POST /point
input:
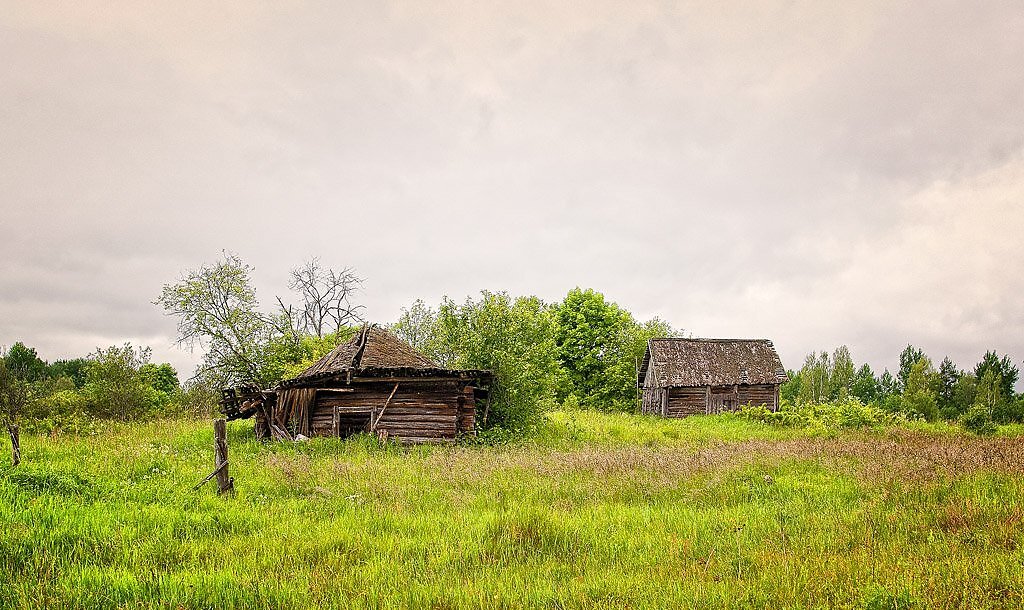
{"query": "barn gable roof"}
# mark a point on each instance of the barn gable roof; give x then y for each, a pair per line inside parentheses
(712, 362)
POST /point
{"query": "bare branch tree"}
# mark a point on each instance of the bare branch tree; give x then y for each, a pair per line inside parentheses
(326, 297)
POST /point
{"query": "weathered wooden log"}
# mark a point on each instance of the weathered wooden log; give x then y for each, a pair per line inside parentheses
(373, 426)
(225, 484)
(12, 429)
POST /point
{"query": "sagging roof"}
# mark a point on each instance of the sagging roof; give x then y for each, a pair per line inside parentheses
(374, 352)
(712, 362)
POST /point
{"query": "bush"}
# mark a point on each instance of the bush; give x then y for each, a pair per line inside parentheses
(63, 410)
(978, 420)
(843, 413)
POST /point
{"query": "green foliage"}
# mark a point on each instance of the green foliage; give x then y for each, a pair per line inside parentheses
(834, 415)
(978, 419)
(161, 377)
(908, 358)
(918, 396)
(512, 338)
(1003, 368)
(864, 386)
(23, 362)
(823, 378)
(888, 386)
(288, 357)
(416, 326)
(216, 307)
(14, 393)
(965, 392)
(842, 373)
(73, 369)
(790, 390)
(946, 396)
(816, 384)
(591, 338)
(116, 388)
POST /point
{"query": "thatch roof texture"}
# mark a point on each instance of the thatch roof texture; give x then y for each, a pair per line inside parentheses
(372, 347)
(712, 362)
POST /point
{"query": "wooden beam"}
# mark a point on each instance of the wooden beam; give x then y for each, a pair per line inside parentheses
(386, 403)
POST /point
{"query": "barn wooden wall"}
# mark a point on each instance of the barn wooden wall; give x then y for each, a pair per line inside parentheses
(683, 401)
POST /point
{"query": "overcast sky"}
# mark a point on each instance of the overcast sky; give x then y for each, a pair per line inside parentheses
(815, 173)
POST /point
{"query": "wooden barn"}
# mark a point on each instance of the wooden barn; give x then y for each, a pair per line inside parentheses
(680, 377)
(374, 383)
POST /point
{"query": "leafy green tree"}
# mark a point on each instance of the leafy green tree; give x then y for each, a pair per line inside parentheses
(965, 392)
(512, 338)
(945, 389)
(908, 358)
(918, 395)
(14, 392)
(864, 386)
(23, 362)
(1002, 367)
(115, 387)
(887, 385)
(790, 391)
(217, 308)
(841, 374)
(816, 372)
(73, 369)
(599, 346)
(416, 325)
(161, 377)
(588, 332)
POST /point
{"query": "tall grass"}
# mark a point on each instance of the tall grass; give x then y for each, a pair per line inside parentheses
(595, 511)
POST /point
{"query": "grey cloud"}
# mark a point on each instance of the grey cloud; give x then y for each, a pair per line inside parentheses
(736, 168)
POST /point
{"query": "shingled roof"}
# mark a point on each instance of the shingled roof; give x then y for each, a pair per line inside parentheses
(371, 347)
(712, 362)
(375, 352)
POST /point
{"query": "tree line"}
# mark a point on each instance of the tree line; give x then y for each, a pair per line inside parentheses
(979, 397)
(114, 383)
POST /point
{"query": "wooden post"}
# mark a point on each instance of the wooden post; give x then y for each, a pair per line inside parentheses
(220, 442)
(12, 429)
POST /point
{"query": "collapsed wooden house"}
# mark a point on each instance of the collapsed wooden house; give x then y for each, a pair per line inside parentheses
(374, 383)
(680, 377)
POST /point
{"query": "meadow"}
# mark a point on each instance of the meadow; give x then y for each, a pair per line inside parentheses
(590, 511)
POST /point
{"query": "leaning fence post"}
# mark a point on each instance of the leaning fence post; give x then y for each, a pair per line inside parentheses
(12, 429)
(220, 441)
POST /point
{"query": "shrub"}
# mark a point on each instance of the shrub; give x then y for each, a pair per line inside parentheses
(978, 420)
(844, 413)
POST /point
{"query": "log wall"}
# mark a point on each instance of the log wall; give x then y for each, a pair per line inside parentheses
(766, 395)
(687, 401)
(416, 412)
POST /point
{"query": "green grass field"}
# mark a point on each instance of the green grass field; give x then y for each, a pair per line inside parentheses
(609, 511)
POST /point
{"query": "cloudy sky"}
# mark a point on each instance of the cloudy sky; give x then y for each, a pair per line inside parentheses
(816, 173)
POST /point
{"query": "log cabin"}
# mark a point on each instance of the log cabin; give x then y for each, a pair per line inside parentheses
(374, 383)
(681, 377)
